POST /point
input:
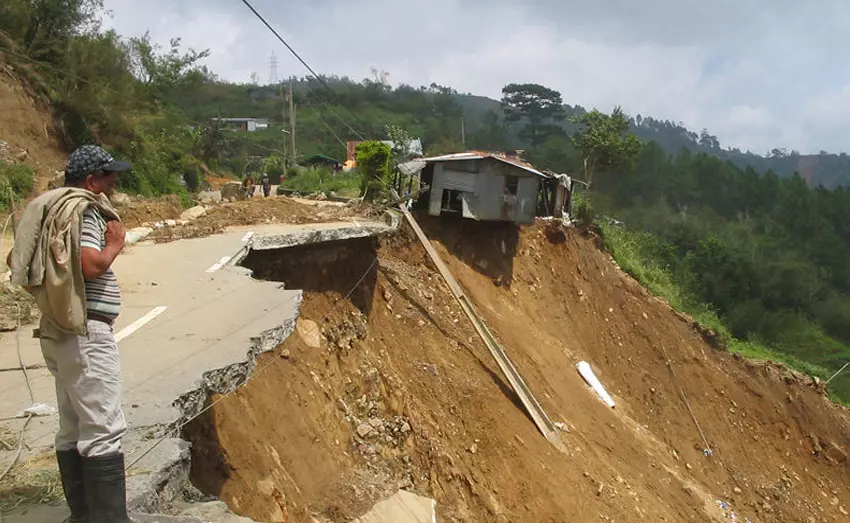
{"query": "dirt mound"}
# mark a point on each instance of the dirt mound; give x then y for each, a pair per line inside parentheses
(249, 212)
(400, 393)
(139, 211)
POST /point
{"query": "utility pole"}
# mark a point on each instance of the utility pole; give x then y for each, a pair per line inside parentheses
(283, 120)
(462, 131)
(292, 120)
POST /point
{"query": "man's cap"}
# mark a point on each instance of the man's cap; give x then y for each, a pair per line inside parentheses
(91, 159)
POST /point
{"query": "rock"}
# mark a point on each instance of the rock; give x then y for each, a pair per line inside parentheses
(209, 196)
(212, 511)
(364, 429)
(473, 449)
(405, 428)
(135, 235)
(232, 191)
(377, 424)
(21, 156)
(285, 354)
(7, 323)
(736, 490)
(308, 331)
(193, 213)
(842, 510)
(119, 199)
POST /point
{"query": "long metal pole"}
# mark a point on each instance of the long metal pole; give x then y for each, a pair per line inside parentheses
(839, 372)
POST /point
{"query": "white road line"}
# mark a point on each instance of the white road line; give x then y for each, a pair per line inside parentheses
(219, 264)
(248, 236)
(136, 325)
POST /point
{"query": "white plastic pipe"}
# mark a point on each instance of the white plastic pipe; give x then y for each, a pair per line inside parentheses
(586, 372)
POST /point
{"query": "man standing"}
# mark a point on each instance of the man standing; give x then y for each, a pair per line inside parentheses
(65, 245)
(267, 184)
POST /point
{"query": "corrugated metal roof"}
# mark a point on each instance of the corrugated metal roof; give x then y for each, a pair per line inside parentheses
(480, 155)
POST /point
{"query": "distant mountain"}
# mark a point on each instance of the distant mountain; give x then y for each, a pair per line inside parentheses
(826, 169)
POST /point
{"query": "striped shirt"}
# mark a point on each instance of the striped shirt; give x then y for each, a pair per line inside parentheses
(102, 294)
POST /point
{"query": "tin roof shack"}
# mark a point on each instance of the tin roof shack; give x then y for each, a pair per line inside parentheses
(482, 186)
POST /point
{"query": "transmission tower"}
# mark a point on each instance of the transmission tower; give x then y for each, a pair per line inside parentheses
(273, 69)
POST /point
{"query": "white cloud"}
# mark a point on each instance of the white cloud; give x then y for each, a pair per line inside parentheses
(758, 74)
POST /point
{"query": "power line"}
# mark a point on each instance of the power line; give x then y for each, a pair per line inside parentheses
(341, 142)
(303, 62)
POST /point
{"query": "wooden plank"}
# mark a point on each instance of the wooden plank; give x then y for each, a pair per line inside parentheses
(532, 406)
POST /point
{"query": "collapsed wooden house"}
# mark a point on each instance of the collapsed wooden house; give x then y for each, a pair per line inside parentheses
(481, 186)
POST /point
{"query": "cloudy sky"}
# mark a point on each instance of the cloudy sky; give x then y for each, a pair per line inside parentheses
(757, 73)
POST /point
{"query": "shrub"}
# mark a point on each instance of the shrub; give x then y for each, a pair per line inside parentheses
(20, 178)
(373, 160)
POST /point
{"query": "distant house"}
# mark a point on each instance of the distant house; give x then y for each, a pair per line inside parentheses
(482, 186)
(413, 150)
(320, 159)
(244, 124)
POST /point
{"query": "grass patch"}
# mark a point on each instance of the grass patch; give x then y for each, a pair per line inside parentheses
(29, 484)
(322, 180)
(636, 253)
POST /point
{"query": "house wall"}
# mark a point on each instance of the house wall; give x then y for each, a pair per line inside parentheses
(527, 199)
(487, 202)
(436, 193)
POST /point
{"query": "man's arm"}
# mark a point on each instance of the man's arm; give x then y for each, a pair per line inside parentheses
(95, 261)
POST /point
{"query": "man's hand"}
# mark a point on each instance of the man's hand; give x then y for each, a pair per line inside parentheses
(115, 235)
(96, 262)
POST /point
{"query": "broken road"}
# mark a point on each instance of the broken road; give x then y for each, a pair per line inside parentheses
(192, 322)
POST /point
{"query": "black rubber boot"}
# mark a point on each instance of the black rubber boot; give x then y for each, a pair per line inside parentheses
(106, 489)
(71, 472)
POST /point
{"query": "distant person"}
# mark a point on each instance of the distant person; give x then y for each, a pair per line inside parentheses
(64, 248)
(266, 182)
(248, 186)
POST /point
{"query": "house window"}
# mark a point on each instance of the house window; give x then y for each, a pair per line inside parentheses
(511, 185)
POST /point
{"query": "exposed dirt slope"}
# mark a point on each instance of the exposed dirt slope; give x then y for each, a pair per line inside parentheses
(401, 393)
(27, 125)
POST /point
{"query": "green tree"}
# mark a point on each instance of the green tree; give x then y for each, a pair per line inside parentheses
(163, 73)
(44, 28)
(492, 135)
(539, 106)
(373, 161)
(605, 142)
(211, 142)
(400, 139)
(97, 101)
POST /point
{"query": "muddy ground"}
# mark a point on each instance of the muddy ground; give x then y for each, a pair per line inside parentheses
(390, 388)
